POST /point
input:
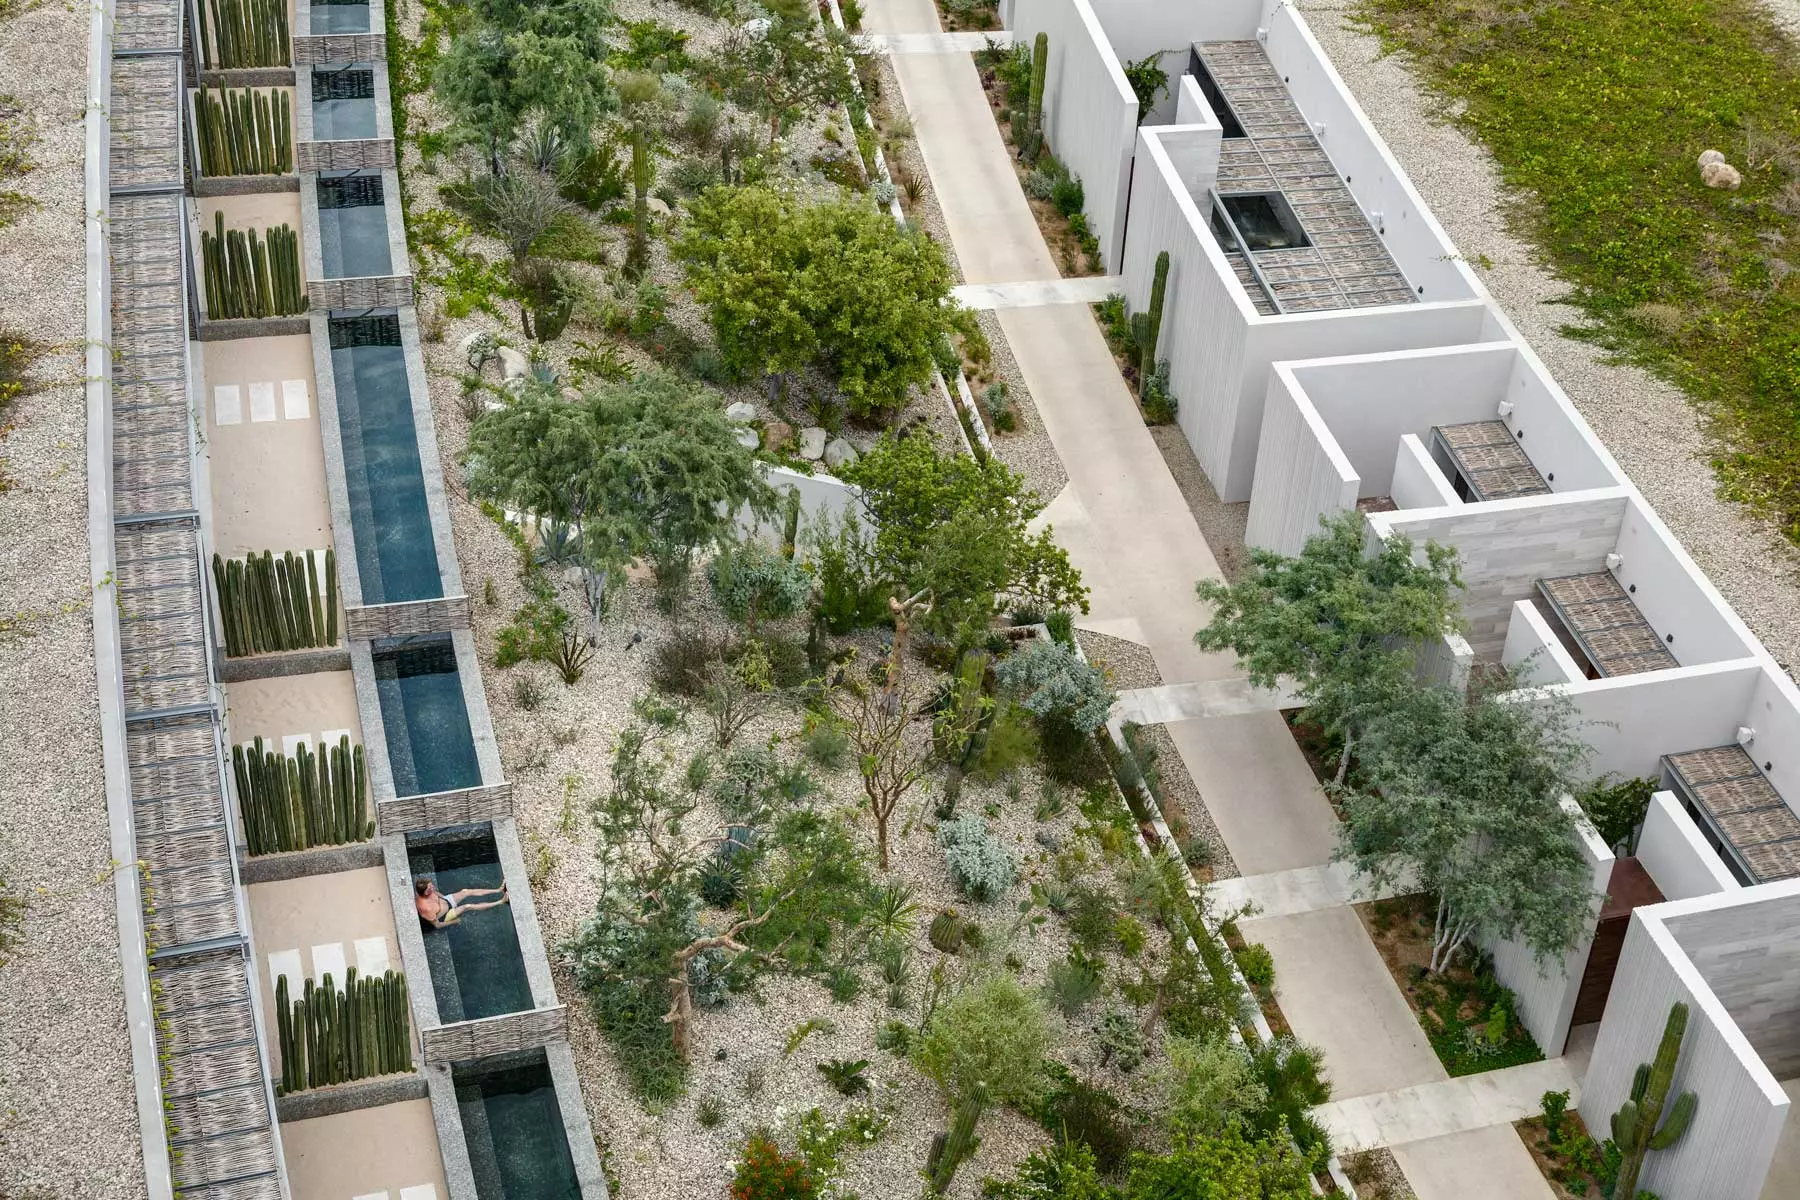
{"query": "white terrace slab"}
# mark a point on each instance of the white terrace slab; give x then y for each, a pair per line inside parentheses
(933, 43)
(1195, 701)
(1085, 289)
(1429, 1110)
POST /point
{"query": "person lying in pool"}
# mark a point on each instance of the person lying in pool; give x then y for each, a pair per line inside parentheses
(442, 911)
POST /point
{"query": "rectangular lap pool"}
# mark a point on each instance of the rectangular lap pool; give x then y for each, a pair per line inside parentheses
(353, 228)
(344, 97)
(518, 1145)
(396, 555)
(476, 968)
(337, 16)
(424, 717)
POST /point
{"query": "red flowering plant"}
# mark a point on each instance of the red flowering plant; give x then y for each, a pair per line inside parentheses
(765, 1173)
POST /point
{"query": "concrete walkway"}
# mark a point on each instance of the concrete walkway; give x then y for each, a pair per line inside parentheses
(1302, 890)
(1432, 1110)
(1173, 702)
(932, 43)
(1127, 527)
(1081, 289)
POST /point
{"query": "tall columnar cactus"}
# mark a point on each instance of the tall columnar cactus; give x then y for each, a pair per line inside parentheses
(303, 800)
(247, 276)
(1635, 1128)
(333, 1035)
(1034, 114)
(331, 598)
(1150, 331)
(269, 604)
(293, 1053)
(244, 131)
(949, 1150)
(639, 253)
(244, 33)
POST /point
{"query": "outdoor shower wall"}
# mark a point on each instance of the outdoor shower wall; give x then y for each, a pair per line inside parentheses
(1090, 111)
(1671, 849)
(1680, 603)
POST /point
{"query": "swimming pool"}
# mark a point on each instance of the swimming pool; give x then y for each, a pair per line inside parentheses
(343, 97)
(518, 1144)
(476, 967)
(396, 554)
(353, 229)
(426, 722)
(336, 16)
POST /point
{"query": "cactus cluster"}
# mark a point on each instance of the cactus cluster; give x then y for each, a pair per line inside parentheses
(244, 33)
(949, 1150)
(269, 604)
(248, 277)
(1635, 1128)
(244, 131)
(332, 1035)
(292, 802)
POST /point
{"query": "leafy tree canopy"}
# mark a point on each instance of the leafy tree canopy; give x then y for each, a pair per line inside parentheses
(988, 1041)
(959, 528)
(1341, 623)
(789, 283)
(1465, 793)
(649, 465)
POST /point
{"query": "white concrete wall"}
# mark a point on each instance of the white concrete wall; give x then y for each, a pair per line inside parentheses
(1193, 152)
(1301, 476)
(1090, 111)
(1674, 853)
(1447, 662)
(1774, 713)
(1553, 435)
(1419, 245)
(1673, 595)
(1545, 992)
(1533, 651)
(1631, 721)
(1726, 1152)
(1417, 480)
(822, 496)
(1506, 546)
(1139, 28)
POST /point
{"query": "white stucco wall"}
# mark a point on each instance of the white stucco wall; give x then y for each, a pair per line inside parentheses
(1301, 476)
(1631, 721)
(1545, 991)
(1090, 111)
(1675, 855)
(1726, 1152)
(1417, 481)
(1554, 436)
(1673, 595)
(1774, 713)
(1532, 649)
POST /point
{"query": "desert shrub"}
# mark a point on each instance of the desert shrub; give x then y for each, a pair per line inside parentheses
(1076, 1112)
(743, 785)
(679, 666)
(1121, 1039)
(896, 1037)
(1257, 964)
(1056, 685)
(765, 1173)
(536, 629)
(1011, 743)
(825, 740)
(1073, 982)
(1158, 400)
(691, 176)
(1093, 918)
(1067, 196)
(852, 593)
(980, 867)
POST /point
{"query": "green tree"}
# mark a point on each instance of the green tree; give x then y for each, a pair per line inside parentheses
(515, 61)
(958, 528)
(787, 284)
(1342, 624)
(794, 63)
(643, 467)
(986, 1046)
(1221, 1168)
(1462, 794)
(1208, 1085)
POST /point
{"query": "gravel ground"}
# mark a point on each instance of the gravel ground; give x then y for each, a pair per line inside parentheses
(1028, 449)
(1648, 424)
(68, 1115)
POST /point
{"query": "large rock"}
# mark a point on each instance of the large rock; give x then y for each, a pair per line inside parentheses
(740, 413)
(658, 206)
(748, 438)
(1708, 157)
(777, 434)
(812, 443)
(513, 365)
(1721, 175)
(839, 454)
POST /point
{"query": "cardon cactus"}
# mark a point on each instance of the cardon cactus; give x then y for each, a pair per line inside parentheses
(1034, 113)
(1151, 329)
(1635, 1128)
(949, 1150)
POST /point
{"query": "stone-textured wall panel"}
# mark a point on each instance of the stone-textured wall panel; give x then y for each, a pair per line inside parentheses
(440, 809)
(353, 154)
(407, 619)
(469, 1040)
(340, 48)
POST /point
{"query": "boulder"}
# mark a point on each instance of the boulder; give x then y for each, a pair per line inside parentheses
(658, 207)
(1708, 157)
(740, 413)
(513, 365)
(839, 454)
(777, 434)
(748, 438)
(812, 443)
(1721, 175)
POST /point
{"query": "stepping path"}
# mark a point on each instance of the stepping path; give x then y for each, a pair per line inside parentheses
(1302, 890)
(1432, 1110)
(1193, 701)
(1125, 524)
(1082, 289)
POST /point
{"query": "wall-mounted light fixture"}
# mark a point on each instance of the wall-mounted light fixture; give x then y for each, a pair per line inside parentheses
(1613, 561)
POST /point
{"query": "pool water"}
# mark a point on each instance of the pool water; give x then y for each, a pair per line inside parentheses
(353, 231)
(476, 967)
(518, 1145)
(335, 16)
(396, 555)
(343, 98)
(426, 722)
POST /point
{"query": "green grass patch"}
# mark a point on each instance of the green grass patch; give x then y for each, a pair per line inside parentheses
(1596, 110)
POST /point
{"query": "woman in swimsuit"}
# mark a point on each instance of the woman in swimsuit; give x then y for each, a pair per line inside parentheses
(441, 911)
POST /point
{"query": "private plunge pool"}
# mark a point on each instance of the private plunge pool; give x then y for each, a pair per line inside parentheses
(476, 967)
(518, 1144)
(396, 553)
(353, 226)
(423, 715)
(343, 97)
(340, 16)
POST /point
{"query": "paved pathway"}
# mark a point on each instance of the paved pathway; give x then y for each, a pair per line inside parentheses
(1431, 1110)
(1080, 289)
(1194, 701)
(1302, 890)
(1125, 524)
(933, 43)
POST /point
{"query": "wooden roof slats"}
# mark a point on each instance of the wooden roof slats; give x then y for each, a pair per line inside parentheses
(1743, 807)
(1607, 626)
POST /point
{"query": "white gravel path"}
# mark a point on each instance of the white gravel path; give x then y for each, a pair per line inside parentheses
(68, 1117)
(1647, 424)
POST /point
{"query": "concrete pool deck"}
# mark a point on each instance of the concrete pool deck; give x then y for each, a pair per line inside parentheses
(381, 1151)
(266, 458)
